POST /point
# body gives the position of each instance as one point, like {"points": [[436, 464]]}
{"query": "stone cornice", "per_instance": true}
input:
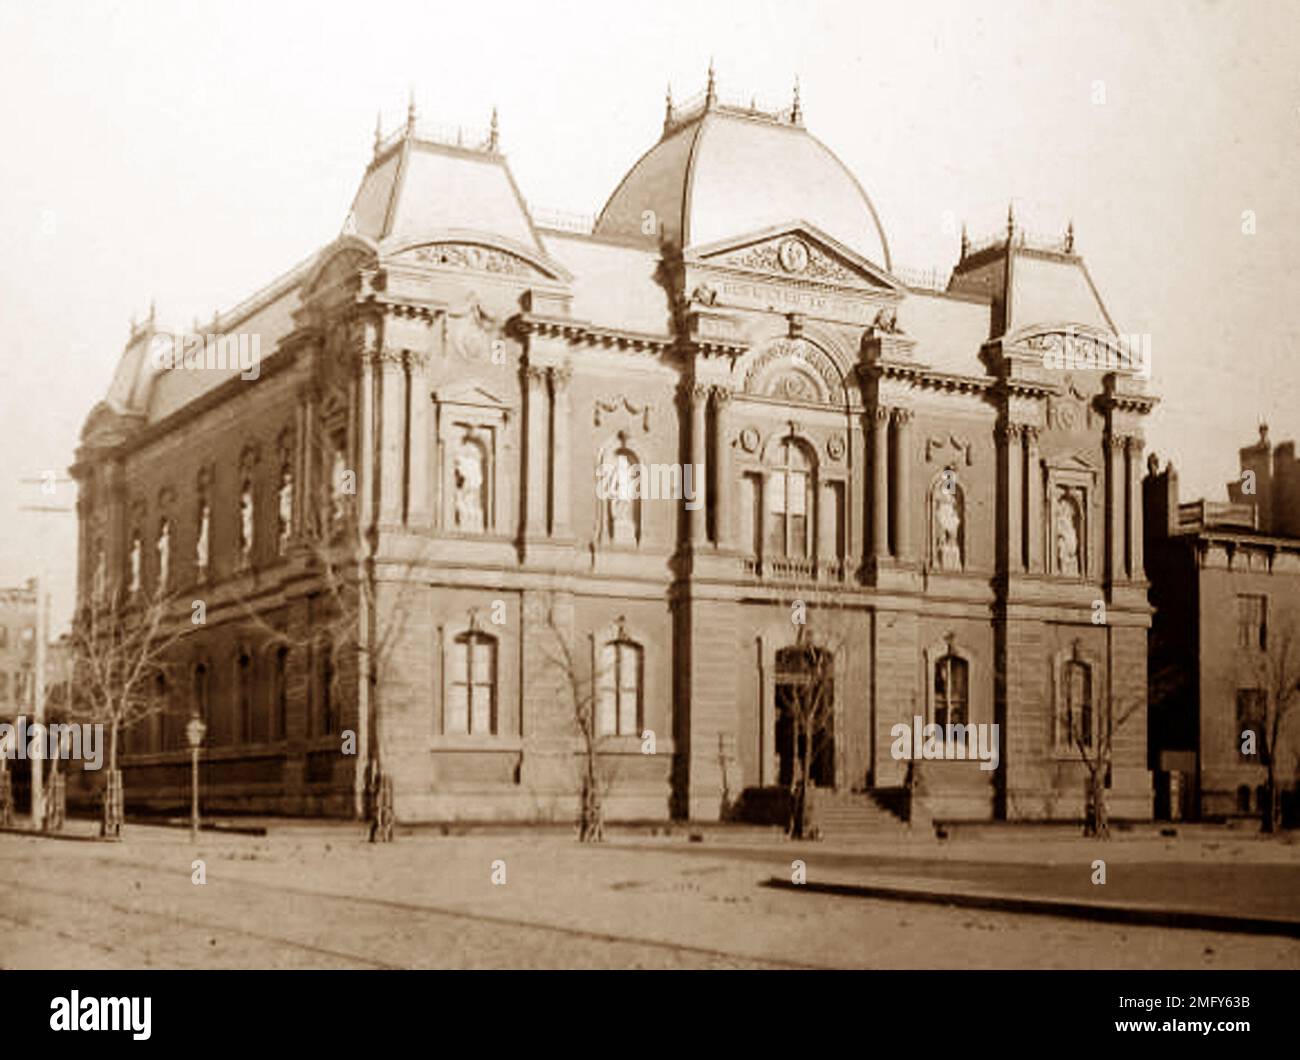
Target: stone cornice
{"points": [[577, 331]]}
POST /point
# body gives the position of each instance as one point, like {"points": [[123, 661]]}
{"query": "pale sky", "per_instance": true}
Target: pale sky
{"points": [[190, 152]]}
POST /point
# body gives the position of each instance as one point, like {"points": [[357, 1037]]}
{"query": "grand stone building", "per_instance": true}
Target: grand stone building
{"points": [[948, 477]]}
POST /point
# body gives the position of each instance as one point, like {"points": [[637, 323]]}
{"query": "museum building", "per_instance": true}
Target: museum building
{"points": [[945, 482]]}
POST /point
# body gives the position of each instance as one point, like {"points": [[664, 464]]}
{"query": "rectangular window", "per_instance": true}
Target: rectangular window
{"points": [[471, 693], [1252, 627]]}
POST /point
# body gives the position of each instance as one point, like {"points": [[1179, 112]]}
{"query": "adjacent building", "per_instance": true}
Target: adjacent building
{"points": [[651, 438], [1225, 582]]}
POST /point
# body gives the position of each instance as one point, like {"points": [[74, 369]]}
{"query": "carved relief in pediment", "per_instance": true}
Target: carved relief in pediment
{"points": [[792, 257], [797, 370]]}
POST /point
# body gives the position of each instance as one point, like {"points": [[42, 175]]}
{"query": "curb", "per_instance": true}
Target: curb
{"points": [[1075, 910]]}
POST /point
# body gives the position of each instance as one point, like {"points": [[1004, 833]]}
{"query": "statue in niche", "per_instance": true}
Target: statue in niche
{"points": [[468, 497], [1067, 534], [286, 507], [201, 549], [622, 514], [338, 490], [135, 564], [164, 553], [947, 525], [246, 520], [101, 573]]}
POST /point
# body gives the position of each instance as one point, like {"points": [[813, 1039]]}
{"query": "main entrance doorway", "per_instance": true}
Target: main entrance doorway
{"points": [[805, 689]]}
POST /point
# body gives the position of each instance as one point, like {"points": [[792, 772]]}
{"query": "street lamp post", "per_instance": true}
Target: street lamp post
{"points": [[194, 733]]}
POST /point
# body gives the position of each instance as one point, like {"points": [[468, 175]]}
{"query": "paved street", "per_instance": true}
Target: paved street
{"points": [[325, 899]]}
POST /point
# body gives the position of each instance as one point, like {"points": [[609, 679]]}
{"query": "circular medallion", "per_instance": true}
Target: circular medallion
{"points": [[793, 255], [749, 440], [835, 446]]}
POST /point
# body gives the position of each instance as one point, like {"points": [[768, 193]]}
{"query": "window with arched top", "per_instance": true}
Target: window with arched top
{"points": [[789, 501], [1074, 706], [951, 690], [243, 727], [279, 714], [472, 685], [199, 702], [618, 711]]}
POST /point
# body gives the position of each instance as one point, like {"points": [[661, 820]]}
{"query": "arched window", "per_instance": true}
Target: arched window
{"points": [[623, 499], [243, 698], [618, 710], [199, 702], [279, 714], [1074, 708], [951, 690], [789, 502], [325, 716], [472, 685], [159, 717]]}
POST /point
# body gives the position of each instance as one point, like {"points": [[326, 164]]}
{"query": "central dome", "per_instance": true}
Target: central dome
{"points": [[728, 171]]}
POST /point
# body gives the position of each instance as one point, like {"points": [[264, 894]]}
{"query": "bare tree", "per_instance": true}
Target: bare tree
{"points": [[1095, 745], [352, 624], [583, 682], [1278, 674], [820, 642], [119, 647]]}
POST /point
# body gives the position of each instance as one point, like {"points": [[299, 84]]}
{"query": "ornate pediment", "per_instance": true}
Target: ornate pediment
{"points": [[472, 257], [800, 254], [469, 395]]}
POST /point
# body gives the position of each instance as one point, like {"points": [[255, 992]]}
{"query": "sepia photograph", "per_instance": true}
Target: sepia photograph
{"points": [[575, 486]]}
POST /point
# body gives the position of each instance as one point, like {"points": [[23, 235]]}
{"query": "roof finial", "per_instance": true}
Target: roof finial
{"points": [[711, 93], [1263, 433], [796, 110], [494, 134], [1069, 237], [379, 129], [410, 113], [965, 242], [668, 106], [153, 310], [1011, 220]]}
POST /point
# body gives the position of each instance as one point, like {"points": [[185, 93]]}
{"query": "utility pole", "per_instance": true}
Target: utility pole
{"points": [[48, 483]]}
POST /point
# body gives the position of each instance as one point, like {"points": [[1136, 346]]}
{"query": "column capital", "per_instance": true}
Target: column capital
{"points": [[902, 416], [560, 375], [721, 394], [881, 414], [1010, 432]]}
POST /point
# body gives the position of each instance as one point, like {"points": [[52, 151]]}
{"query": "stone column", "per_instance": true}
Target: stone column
{"points": [[723, 487], [880, 484], [419, 510], [903, 484], [392, 432], [699, 396], [561, 423], [365, 440], [1116, 506], [1136, 571], [535, 451], [304, 502], [1013, 475], [1034, 502]]}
